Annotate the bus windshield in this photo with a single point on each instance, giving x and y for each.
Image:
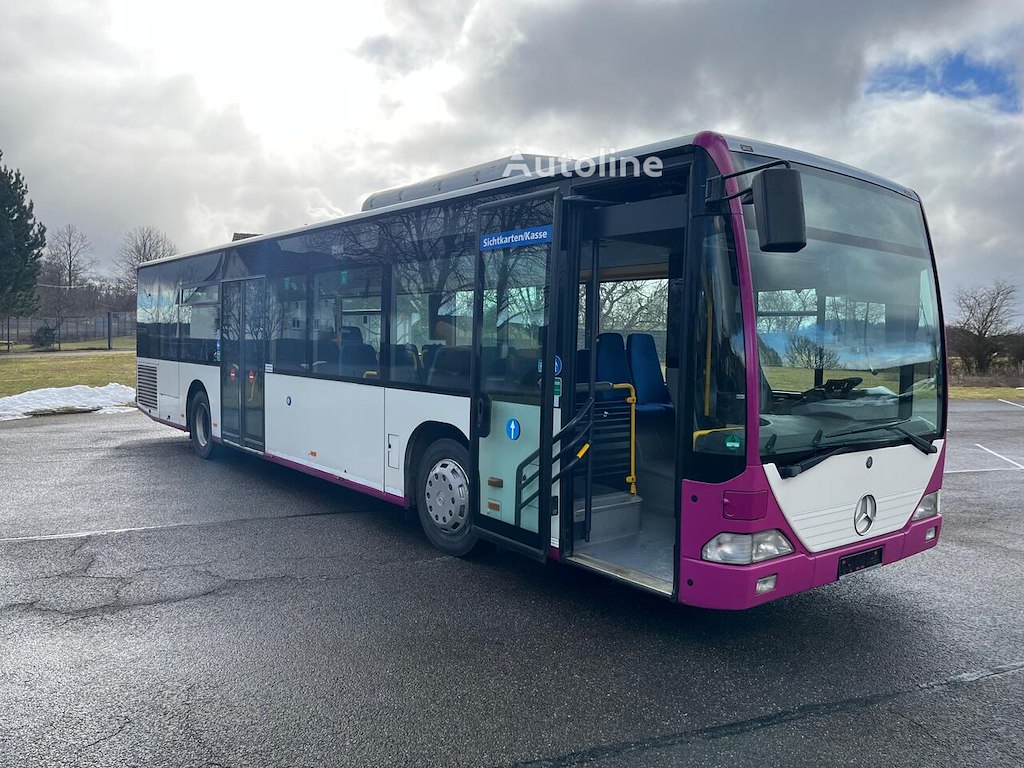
(848, 328)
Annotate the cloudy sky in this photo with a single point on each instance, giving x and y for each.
(206, 118)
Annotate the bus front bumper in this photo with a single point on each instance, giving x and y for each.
(735, 587)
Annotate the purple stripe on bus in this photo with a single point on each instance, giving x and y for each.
(389, 497)
(166, 422)
(718, 149)
(935, 483)
(383, 495)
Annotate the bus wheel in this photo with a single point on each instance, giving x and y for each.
(442, 497)
(200, 432)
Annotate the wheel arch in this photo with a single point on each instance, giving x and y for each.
(421, 439)
(194, 388)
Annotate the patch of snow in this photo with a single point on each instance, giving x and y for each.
(113, 398)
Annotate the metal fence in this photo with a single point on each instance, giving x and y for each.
(101, 329)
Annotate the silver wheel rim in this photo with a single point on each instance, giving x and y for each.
(202, 425)
(446, 493)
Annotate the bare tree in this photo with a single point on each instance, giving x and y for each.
(1013, 346)
(139, 245)
(70, 251)
(804, 352)
(986, 313)
(65, 281)
(786, 311)
(633, 305)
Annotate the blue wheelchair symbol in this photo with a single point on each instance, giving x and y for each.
(512, 429)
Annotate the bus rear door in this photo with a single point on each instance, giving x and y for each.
(243, 358)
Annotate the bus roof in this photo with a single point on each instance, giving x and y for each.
(495, 170)
(493, 175)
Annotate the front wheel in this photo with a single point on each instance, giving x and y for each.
(200, 431)
(442, 497)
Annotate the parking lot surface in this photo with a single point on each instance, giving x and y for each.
(160, 610)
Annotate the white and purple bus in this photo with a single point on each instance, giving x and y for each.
(709, 367)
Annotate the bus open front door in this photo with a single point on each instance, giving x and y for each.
(625, 516)
(515, 373)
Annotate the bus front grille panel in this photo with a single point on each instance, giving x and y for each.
(145, 392)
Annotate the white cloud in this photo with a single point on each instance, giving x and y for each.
(966, 160)
(205, 119)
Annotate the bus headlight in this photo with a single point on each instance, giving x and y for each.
(928, 507)
(746, 548)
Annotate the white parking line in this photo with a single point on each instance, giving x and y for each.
(990, 469)
(1000, 456)
(1009, 402)
(147, 528)
(85, 534)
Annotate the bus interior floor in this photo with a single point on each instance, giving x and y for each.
(649, 550)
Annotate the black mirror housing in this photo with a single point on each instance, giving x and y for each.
(778, 198)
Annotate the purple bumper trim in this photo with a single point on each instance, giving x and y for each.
(730, 587)
(389, 497)
(162, 421)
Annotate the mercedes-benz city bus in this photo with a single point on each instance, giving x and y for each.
(709, 367)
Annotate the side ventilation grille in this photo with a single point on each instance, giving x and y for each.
(145, 392)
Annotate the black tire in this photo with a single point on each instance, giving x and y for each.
(200, 430)
(442, 497)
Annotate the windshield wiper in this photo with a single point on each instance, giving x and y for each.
(925, 446)
(792, 470)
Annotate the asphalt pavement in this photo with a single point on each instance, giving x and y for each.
(160, 610)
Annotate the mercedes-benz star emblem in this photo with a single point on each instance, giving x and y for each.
(864, 514)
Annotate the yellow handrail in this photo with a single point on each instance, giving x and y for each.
(631, 399)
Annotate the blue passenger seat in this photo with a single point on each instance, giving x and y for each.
(350, 333)
(405, 363)
(645, 365)
(450, 367)
(325, 353)
(612, 365)
(357, 359)
(427, 357)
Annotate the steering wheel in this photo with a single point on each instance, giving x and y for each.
(833, 387)
(842, 386)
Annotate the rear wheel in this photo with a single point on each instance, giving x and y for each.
(442, 497)
(200, 429)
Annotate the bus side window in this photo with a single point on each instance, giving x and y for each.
(720, 368)
(200, 323)
(431, 310)
(288, 324)
(346, 322)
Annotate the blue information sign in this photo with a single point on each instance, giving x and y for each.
(517, 238)
(558, 366)
(512, 429)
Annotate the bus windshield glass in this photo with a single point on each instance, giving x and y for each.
(848, 328)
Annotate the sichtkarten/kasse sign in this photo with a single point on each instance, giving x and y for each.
(517, 238)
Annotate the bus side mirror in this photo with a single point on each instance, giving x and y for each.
(778, 198)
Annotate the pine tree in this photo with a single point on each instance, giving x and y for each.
(22, 240)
